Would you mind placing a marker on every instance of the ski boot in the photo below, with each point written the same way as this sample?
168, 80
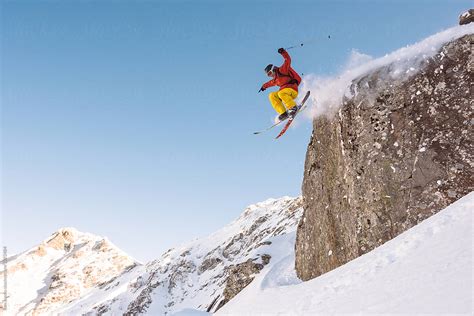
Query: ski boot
283, 116
292, 112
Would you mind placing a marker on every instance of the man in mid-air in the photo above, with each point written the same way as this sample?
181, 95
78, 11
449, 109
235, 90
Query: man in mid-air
283, 100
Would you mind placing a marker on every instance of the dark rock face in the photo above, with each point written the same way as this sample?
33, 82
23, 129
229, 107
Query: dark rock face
467, 17
396, 153
239, 276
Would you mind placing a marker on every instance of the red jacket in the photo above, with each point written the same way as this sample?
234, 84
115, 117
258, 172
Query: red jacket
284, 75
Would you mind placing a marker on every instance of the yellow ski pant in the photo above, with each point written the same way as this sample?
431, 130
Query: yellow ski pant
286, 95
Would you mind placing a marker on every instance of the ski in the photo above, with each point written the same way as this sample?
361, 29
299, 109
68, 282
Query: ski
290, 120
279, 122
269, 128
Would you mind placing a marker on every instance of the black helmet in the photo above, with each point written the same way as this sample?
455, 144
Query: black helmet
269, 69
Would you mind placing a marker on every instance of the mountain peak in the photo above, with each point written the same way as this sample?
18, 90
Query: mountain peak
62, 237
65, 266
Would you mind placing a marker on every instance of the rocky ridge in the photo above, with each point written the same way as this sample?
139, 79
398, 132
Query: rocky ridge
207, 272
75, 273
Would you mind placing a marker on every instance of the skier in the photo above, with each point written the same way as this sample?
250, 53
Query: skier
288, 80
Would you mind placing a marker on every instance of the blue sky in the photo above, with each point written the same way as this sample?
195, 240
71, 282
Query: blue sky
134, 120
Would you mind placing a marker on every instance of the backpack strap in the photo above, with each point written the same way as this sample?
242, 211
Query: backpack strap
293, 75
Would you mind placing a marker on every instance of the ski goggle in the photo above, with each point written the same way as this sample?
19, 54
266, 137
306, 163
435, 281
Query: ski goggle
271, 71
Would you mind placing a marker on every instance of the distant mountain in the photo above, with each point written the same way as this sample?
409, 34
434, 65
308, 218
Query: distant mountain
75, 273
62, 269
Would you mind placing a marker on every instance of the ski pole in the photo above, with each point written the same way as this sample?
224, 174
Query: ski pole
291, 47
301, 44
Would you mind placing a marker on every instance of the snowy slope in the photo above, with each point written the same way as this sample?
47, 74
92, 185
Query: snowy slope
426, 270
63, 268
198, 275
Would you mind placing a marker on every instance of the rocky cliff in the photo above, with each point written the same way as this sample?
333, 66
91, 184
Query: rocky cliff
399, 149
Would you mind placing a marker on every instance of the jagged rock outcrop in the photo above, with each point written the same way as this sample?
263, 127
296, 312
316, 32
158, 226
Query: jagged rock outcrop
239, 276
467, 17
397, 152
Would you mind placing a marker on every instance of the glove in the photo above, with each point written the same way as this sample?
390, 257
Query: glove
281, 50
262, 89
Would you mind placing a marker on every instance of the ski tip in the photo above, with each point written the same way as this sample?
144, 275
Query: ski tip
279, 136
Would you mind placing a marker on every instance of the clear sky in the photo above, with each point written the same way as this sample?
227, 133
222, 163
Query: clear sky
134, 120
